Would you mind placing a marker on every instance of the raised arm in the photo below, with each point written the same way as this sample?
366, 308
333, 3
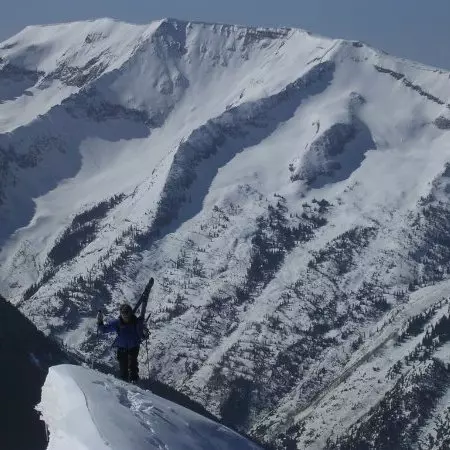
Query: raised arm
109, 327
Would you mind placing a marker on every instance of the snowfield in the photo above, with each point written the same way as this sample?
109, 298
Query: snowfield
288, 192
84, 409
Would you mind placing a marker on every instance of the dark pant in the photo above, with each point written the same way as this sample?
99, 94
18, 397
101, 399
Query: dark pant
128, 363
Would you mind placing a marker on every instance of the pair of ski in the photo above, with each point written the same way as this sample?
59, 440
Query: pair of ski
143, 300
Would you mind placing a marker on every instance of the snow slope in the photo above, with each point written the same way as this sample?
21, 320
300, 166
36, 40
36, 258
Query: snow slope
87, 410
391, 361
288, 192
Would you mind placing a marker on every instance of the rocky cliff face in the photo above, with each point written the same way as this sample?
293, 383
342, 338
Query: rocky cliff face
26, 356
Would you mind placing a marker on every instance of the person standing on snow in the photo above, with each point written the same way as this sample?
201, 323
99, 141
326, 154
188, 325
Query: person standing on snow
131, 331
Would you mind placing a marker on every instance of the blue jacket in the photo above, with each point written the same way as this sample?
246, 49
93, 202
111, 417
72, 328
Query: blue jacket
129, 335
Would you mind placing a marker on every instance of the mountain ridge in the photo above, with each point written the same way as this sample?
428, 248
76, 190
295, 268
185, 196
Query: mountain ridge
287, 192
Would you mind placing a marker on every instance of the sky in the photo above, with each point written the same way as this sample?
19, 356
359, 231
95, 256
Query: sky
414, 29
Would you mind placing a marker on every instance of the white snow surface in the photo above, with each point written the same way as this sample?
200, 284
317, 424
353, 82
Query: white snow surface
86, 410
196, 130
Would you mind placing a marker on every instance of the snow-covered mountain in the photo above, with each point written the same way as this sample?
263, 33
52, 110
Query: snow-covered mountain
87, 410
288, 192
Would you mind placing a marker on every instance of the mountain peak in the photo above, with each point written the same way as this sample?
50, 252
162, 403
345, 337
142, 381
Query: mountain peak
288, 193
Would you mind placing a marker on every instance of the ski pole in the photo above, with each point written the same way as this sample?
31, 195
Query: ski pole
99, 319
148, 360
